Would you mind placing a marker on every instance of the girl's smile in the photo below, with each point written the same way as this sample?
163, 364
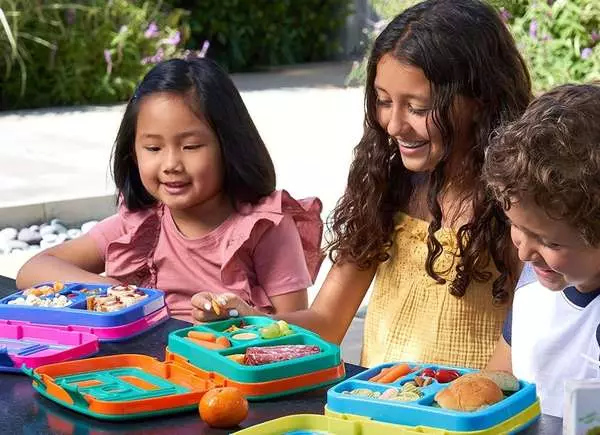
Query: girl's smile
176, 187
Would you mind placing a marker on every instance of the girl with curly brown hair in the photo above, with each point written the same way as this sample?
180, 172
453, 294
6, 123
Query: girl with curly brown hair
440, 78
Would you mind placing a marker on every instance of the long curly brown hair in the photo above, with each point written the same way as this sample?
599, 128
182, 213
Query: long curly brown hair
551, 155
463, 49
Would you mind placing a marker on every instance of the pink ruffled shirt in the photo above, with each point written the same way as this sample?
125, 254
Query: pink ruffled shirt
261, 251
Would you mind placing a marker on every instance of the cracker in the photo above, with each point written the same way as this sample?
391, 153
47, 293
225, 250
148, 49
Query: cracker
216, 307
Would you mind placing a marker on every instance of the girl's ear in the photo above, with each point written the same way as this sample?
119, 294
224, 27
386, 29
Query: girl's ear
477, 111
133, 155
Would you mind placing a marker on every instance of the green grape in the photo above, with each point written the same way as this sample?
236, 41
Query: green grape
284, 327
271, 331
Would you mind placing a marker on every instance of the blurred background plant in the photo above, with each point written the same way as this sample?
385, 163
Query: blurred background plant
69, 52
65, 53
249, 35
558, 38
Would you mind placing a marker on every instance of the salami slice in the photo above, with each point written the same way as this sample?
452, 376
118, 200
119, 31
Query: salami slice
269, 354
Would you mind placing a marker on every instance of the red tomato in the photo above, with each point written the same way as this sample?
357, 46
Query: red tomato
445, 376
429, 373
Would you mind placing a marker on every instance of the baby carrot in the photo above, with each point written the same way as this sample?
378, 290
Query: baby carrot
204, 336
395, 373
380, 374
207, 344
223, 341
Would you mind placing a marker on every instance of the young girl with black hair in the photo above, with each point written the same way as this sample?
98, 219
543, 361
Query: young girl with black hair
198, 206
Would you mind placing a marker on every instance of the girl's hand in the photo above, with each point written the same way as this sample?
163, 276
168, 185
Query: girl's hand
208, 307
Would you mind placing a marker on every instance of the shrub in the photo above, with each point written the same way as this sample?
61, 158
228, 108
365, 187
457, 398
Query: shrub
558, 38
65, 53
246, 35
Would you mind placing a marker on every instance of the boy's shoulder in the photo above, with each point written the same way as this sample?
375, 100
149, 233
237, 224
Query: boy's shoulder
530, 291
547, 331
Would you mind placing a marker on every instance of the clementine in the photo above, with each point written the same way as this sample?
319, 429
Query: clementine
223, 407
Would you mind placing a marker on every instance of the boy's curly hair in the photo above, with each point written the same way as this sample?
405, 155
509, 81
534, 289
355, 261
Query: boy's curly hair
552, 156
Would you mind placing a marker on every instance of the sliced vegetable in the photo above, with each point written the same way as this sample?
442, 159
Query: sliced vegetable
207, 344
245, 336
380, 374
224, 341
204, 336
395, 373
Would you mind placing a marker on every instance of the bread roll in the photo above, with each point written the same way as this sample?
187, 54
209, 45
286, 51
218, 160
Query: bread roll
505, 380
469, 393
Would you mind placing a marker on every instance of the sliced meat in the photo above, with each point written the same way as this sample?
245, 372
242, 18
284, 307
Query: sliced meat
268, 354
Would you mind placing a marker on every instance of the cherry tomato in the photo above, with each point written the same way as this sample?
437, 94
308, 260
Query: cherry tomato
445, 376
429, 373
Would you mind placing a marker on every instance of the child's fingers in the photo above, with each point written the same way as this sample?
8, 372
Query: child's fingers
209, 306
203, 316
202, 301
236, 306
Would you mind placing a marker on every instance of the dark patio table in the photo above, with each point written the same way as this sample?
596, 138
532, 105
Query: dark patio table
23, 411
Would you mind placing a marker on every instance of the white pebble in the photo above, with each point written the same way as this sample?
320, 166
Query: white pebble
17, 244
46, 229
73, 233
8, 234
59, 228
49, 238
45, 244
88, 226
28, 235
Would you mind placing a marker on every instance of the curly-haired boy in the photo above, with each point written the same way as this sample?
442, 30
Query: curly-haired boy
545, 170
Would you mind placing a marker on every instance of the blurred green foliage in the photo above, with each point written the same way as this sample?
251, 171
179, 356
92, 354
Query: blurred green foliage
558, 38
64, 53
246, 35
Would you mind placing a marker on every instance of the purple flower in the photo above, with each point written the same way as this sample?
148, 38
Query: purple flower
70, 15
160, 54
108, 59
204, 49
173, 39
586, 53
505, 15
595, 36
152, 31
533, 29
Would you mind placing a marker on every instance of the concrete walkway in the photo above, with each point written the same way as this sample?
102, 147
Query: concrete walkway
55, 162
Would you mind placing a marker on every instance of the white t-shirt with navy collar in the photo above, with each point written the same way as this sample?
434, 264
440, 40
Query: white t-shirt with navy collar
547, 331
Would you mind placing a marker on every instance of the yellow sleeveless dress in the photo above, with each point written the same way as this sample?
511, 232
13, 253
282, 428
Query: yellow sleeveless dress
412, 318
